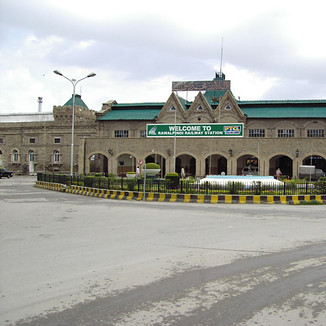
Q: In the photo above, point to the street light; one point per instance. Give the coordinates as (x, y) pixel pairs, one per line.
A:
(74, 82)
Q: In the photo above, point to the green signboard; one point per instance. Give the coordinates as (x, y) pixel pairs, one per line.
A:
(195, 130)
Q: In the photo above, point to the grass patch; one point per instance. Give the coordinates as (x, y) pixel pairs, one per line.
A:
(311, 202)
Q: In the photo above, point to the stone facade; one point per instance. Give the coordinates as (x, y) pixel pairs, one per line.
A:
(116, 145)
(29, 147)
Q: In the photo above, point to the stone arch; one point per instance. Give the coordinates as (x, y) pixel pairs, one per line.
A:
(317, 160)
(215, 164)
(98, 163)
(157, 157)
(126, 162)
(248, 164)
(186, 161)
(283, 162)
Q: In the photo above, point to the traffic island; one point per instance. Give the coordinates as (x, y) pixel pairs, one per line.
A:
(184, 198)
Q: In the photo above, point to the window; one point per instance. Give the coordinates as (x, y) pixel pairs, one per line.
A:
(1, 140)
(256, 133)
(57, 140)
(142, 133)
(121, 133)
(56, 157)
(31, 156)
(199, 108)
(32, 140)
(285, 133)
(227, 107)
(316, 133)
(172, 108)
(15, 156)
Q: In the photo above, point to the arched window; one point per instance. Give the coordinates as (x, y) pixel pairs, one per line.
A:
(31, 156)
(15, 156)
(56, 156)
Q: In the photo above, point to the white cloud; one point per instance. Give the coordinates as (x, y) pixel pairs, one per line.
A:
(248, 85)
(271, 49)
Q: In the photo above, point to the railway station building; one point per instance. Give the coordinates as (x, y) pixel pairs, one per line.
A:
(215, 133)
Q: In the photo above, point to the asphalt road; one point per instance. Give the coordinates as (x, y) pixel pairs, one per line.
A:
(74, 260)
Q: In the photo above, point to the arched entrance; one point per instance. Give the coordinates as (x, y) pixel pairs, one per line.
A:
(318, 161)
(98, 164)
(248, 164)
(215, 164)
(158, 159)
(187, 162)
(126, 163)
(284, 163)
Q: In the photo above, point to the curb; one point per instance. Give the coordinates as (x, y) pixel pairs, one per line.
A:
(50, 186)
(185, 198)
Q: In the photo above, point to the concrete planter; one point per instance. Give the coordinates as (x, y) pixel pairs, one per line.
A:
(151, 172)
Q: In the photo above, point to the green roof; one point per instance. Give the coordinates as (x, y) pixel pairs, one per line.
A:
(133, 111)
(185, 103)
(284, 109)
(252, 109)
(78, 102)
(209, 95)
(288, 112)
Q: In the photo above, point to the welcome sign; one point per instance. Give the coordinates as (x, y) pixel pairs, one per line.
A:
(195, 130)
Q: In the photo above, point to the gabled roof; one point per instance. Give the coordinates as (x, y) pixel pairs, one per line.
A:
(133, 111)
(78, 102)
(212, 97)
(185, 103)
(252, 109)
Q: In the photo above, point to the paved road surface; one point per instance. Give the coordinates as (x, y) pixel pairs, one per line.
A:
(73, 260)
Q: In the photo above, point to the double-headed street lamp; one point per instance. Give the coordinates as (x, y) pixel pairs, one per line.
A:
(74, 83)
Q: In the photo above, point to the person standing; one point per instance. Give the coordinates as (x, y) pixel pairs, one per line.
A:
(278, 173)
(183, 173)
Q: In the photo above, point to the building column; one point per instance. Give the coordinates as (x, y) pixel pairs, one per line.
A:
(113, 167)
(81, 156)
(200, 167)
(231, 166)
(295, 167)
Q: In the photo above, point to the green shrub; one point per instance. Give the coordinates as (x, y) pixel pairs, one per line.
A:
(131, 184)
(235, 187)
(310, 202)
(151, 166)
(290, 184)
(320, 185)
(89, 181)
(191, 179)
(172, 180)
(257, 187)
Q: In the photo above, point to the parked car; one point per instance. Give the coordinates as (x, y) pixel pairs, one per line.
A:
(4, 173)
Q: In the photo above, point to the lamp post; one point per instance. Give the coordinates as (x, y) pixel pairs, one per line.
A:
(74, 82)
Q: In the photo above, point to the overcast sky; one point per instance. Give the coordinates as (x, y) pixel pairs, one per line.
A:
(271, 49)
